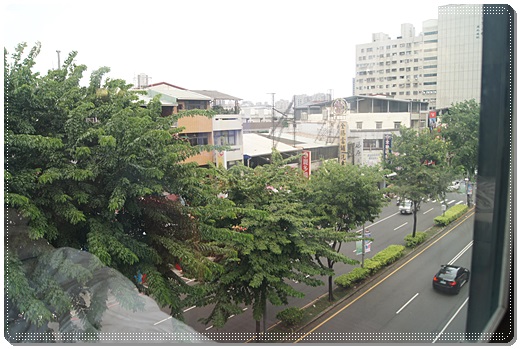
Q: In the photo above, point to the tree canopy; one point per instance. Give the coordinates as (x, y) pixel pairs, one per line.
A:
(91, 167)
(419, 158)
(461, 131)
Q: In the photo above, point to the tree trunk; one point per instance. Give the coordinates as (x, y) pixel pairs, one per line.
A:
(265, 320)
(257, 330)
(330, 265)
(331, 296)
(414, 218)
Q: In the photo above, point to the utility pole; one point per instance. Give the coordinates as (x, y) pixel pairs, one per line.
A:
(272, 119)
(58, 52)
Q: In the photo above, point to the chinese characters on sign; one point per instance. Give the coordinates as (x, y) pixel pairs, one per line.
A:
(306, 163)
(358, 151)
(387, 149)
(343, 143)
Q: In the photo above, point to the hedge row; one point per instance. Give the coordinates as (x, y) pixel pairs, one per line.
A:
(450, 215)
(371, 265)
(290, 316)
(419, 238)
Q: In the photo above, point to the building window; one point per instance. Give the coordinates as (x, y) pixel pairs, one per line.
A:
(397, 124)
(379, 124)
(197, 138)
(225, 137)
(359, 125)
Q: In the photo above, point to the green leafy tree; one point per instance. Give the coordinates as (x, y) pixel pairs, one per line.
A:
(461, 131)
(341, 199)
(420, 160)
(283, 242)
(89, 168)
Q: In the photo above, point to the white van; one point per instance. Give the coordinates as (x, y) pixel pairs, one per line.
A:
(406, 206)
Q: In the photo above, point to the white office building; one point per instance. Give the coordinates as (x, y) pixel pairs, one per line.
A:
(460, 54)
(404, 67)
(441, 66)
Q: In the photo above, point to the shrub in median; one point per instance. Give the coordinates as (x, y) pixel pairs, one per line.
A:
(350, 278)
(414, 241)
(290, 316)
(451, 214)
(371, 265)
(388, 255)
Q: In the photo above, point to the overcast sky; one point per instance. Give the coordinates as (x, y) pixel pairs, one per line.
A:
(248, 49)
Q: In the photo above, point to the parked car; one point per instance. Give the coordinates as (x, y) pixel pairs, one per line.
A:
(450, 278)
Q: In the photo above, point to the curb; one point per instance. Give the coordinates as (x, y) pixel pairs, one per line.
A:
(363, 285)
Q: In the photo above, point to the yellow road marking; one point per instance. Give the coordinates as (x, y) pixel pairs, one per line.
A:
(386, 277)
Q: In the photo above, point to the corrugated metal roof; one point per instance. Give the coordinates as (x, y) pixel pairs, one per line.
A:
(180, 94)
(217, 95)
(165, 100)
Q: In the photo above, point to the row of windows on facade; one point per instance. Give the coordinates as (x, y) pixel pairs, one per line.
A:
(382, 63)
(229, 137)
(392, 70)
(403, 44)
(390, 78)
(379, 125)
(400, 53)
(388, 86)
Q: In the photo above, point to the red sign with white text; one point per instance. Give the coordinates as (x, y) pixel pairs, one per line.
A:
(306, 163)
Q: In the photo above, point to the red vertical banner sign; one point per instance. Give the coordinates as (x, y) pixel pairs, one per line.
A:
(306, 163)
(432, 119)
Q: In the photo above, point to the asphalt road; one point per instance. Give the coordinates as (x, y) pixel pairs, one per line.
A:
(390, 228)
(402, 307)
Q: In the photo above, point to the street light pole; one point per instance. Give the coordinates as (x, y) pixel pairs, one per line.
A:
(363, 247)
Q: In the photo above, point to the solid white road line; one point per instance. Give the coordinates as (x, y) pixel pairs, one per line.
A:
(449, 322)
(468, 246)
(185, 310)
(397, 312)
(402, 225)
(157, 323)
(209, 327)
(428, 211)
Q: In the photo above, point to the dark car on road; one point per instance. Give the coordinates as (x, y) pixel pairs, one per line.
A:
(450, 278)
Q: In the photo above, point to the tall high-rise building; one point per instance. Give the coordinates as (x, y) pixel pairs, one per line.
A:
(403, 68)
(460, 54)
(441, 65)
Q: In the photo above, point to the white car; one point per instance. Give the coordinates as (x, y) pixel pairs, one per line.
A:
(455, 185)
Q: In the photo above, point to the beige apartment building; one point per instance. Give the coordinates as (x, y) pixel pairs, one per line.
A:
(222, 129)
(440, 66)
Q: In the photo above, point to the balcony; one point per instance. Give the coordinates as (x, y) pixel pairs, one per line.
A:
(223, 122)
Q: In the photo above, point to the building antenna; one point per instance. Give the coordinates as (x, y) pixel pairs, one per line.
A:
(59, 65)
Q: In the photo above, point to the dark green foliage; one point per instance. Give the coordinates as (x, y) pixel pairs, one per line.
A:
(420, 160)
(461, 131)
(341, 199)
(290, 316)
(89, 168)
(281, 247)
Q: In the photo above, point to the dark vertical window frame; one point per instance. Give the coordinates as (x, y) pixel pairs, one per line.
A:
(491, 292)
